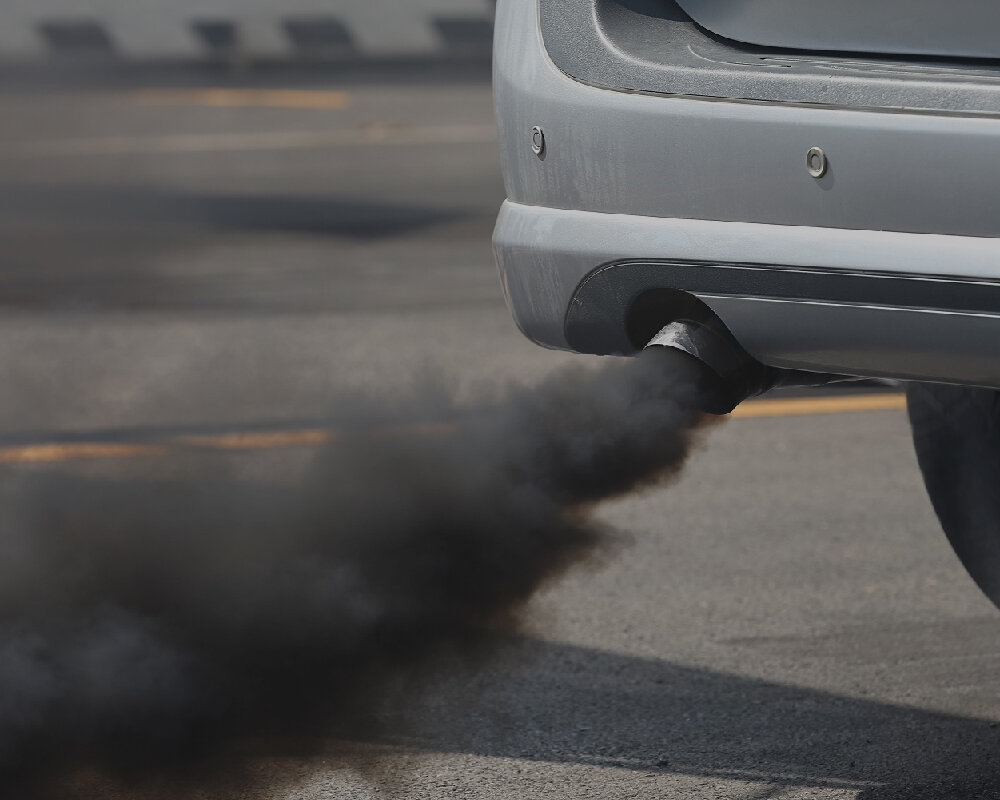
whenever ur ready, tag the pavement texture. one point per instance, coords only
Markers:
(785, 621)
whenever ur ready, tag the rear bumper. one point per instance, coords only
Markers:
(695, 190)
(915, 306)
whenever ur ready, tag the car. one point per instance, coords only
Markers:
(789, 191)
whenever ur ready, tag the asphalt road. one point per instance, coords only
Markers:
(785, 621)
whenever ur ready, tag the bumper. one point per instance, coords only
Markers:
(795, 297)
(885, 265)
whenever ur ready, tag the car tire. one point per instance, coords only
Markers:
(956, 433)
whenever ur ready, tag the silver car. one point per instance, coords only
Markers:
(789, 190)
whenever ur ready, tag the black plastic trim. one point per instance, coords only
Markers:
(618, 306)
(652, 46)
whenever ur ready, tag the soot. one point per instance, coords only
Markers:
(158, 631)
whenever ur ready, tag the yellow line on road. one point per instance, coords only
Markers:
(258, 440)
(245, 98)
(254, 440)
(33, 453)
(370, 135)
(792, 406)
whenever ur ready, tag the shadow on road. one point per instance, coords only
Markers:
(126, 249)
(564, 704)
(121, 208)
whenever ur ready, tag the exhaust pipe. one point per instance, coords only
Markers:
(728, 374)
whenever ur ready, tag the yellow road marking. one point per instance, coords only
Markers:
(258, 440)
(64, 452)
(792, 406)
(254, 440)
(245, 98)
(371, 135)
(261, 439)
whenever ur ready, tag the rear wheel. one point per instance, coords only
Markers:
(956, 433)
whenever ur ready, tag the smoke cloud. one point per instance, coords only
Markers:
(164, 632)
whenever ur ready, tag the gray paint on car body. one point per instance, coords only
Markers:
(930, 27)
(628, 153)
(545, 254)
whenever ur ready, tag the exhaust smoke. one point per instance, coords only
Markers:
(166, 632)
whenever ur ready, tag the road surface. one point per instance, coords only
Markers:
(219, 264)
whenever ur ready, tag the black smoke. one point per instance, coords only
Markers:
(165, 631)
